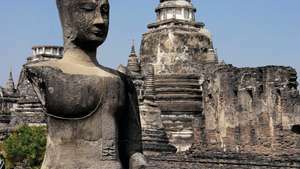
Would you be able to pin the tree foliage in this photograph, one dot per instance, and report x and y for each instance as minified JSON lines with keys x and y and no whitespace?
{"x":26,"y":145}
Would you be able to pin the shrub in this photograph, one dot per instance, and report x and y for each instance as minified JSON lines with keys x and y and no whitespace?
{"x":26,"y":145}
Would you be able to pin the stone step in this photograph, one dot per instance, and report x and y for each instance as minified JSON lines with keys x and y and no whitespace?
{"x":177,"y":85}
{"x":178,"y":97}
{"x":185,"y":105}
{"x":29,"y":110}
{"x":29,"y":106}
{"x":182,"y":118}
{"x":29,"y":101}
{"x":176,"y":80}
{"x":155,"y":139}
{"x":157,"y":131}
{"x":158,"y":135}
{"x":161,"y":148}
{"x":180,"y":113}
{"x":169,"y":90}
{"x":177,"y":76}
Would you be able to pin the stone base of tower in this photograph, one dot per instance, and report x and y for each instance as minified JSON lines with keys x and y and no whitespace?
{"x":155,"y":140}
{"x":220,"y":160}
{"x":179,"y":97}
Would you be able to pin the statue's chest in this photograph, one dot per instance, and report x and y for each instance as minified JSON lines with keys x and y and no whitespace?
{"x":79,"y":96}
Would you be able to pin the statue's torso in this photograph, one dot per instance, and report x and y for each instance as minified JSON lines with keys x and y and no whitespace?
{"x":84,"y":112}
{"x":75,"y":96}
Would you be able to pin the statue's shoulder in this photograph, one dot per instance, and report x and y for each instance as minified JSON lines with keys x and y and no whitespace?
{"x":41,"y":70}
{"x":40,"y":66}
{"x":51,"y":63}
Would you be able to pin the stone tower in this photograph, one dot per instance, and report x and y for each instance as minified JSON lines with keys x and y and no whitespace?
{"x":8,"y":96}
{"x":180,"y":49}
{"x":10,"y":85}
{"x":133,"y":61}
{"x":176,"y":42}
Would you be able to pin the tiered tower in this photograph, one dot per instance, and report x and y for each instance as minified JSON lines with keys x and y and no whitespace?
{"x":10,"y":85}
{"x":8,"y":95}
{"x":133,"y":61}
{"x":176,"y":42}
{"x":181,"y":51}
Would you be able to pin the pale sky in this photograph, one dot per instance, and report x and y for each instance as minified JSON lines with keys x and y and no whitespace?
{"x":246,"y":33}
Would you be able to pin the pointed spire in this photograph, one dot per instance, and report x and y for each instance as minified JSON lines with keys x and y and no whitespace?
{"x":11,"y":74}
{"x":10,"y":85}
{"x":133,"y":47}
{"x":133,"y":60}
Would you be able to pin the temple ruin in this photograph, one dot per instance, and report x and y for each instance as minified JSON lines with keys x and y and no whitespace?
{"x":196,"y":111}
{"x":215,"y":114}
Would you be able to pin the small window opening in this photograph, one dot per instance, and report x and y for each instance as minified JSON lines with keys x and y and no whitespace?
{"x":296,"y":129}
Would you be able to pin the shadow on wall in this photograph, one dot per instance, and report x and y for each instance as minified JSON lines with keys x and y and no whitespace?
{"x":296,"y":129}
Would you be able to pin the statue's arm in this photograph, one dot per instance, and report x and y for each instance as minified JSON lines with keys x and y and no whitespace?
{"x":33,"y":75}
{"x":131,"y":129}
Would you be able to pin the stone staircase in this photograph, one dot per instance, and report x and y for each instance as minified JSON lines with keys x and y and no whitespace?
{"x":173,"y":90}
{"x":30,"y":112}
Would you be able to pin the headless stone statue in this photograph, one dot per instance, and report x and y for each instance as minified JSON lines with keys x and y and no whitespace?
{"x":93,"y":116}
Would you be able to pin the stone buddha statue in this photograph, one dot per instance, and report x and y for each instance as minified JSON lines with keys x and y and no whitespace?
{"x":93,"y":115}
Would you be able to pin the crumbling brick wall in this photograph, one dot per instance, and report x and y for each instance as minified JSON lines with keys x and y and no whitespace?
{"x":252,"y":110}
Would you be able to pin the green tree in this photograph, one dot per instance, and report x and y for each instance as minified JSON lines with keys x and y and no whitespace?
{"x":26,"y":145}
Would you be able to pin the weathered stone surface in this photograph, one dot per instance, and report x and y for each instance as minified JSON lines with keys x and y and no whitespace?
{"x":221,"y":161}
{"x":155,"y":140}
{"x":93,"y":116}
{"x":181,"y":51}
{"x":252,"y":110}
{"x":217,"y":115}
{"x":174,"y":49}
{"x":9,"y":96}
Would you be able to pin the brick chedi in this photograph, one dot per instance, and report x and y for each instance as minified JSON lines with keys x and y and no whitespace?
{"x":133,"y":61}
{"x":9,"y":97}
{"x":180,"y":49}
{"x":176,"y":43}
